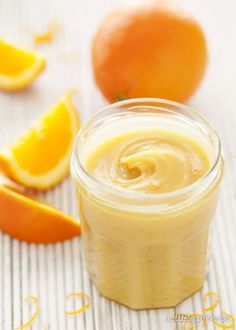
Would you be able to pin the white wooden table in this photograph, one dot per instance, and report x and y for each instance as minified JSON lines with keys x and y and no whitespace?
{"x":50,"y":272}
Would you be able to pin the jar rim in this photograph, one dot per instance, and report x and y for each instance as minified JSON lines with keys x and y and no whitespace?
{"x":77,"y":164}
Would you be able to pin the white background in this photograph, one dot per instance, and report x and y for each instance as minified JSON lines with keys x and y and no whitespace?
{"x":50,"y":272}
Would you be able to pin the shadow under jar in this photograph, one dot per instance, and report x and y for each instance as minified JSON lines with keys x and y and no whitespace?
{"x":145,"y":249}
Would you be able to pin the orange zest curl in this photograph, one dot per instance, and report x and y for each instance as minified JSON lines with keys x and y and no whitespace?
{"x":188,"y":325}
{"x":226,"y":326}
{"x":33,"y":317}
{"x":48,"y":35}
{"x":214,"y":305}
{"x":82,"y":309}
{"x":73,"y":91}
{"x":191,"y":321}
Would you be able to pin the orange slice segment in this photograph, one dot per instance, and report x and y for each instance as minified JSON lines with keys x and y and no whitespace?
{"x":40,"y":157}
{"x":18,"y":67}
{"x":29,"y":220}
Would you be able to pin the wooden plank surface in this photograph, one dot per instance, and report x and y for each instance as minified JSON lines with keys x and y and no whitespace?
{"x":52,"y":271}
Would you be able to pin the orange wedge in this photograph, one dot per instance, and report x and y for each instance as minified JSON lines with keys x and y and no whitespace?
{"x":29,"y":220}
{"x":18,"y":67}
{"x":40,"y":157}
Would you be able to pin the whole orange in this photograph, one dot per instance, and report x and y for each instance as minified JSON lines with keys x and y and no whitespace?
{"x":148,"y":51}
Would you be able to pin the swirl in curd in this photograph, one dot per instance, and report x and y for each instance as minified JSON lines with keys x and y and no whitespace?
{"x":149,"y":161}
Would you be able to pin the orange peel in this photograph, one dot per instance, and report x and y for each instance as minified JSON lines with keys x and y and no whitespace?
{"x":48,"y":35}
{"x":33,"y":317}
{"x":226,"y":326}
{"x":83,"y":308}
{"x":214,"y":305}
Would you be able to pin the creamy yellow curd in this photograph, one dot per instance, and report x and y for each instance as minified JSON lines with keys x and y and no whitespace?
{"x":151,"y":161}
{"x":147,"y":174}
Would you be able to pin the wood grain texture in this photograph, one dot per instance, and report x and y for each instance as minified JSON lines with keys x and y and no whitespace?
{"x":52,"y":271}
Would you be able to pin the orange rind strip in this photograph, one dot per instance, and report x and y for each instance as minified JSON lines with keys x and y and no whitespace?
{"x":214,"y":305}
{"x":189,"y":323}
{"x":82,"y":309}
{"x":226,"y":326}
{"x":33,"y":317}
{"x":48,"y":35}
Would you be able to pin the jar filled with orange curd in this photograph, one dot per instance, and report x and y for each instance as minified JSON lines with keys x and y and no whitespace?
{"x":147,"y":173}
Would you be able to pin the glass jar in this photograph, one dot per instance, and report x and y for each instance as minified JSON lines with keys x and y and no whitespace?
{"x":146,"y":250}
